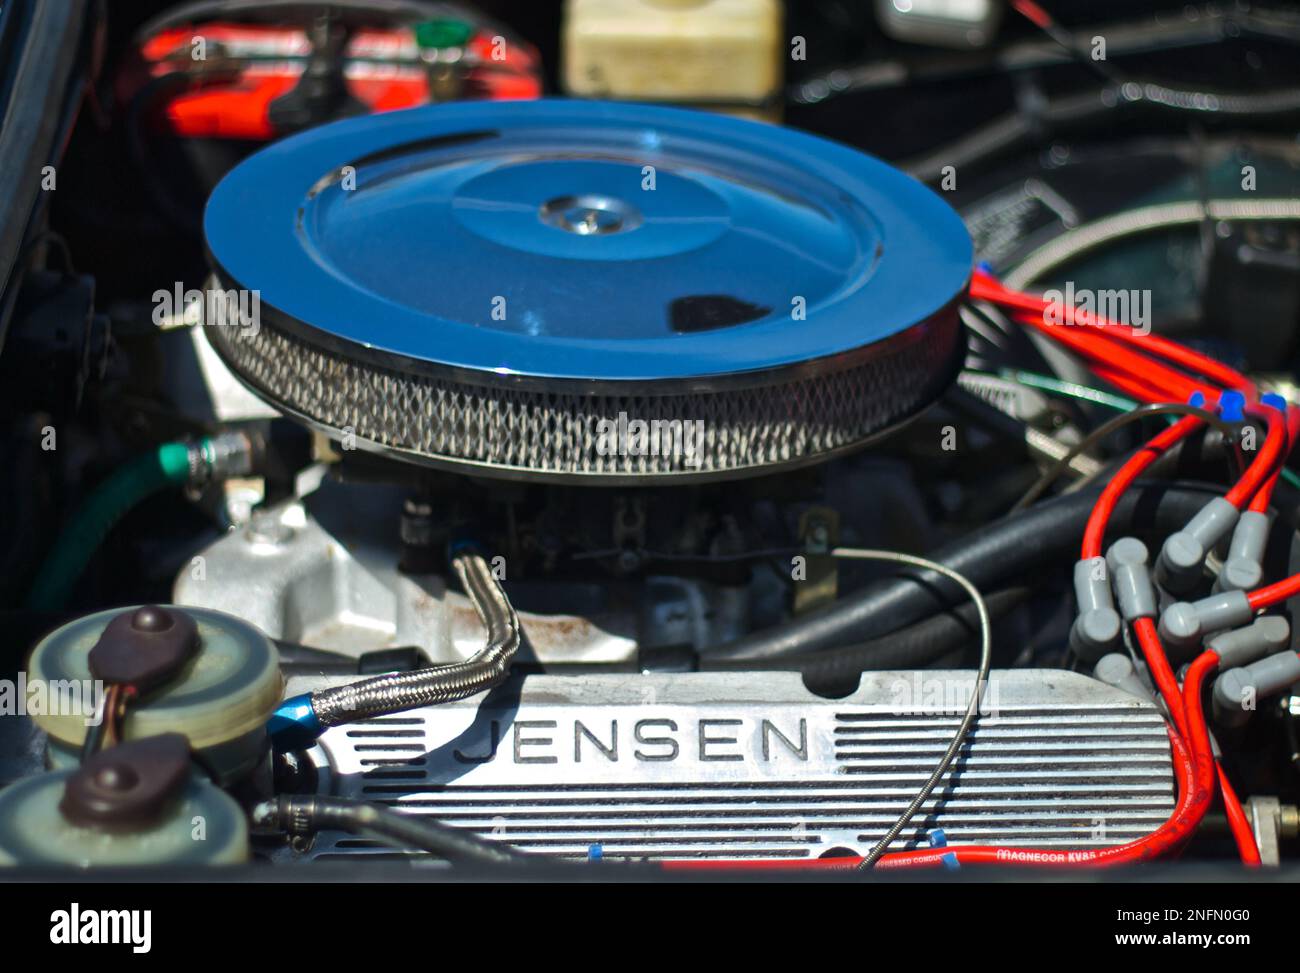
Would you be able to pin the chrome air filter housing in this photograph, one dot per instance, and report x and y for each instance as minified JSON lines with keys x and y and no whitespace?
{"x":585,"y":291}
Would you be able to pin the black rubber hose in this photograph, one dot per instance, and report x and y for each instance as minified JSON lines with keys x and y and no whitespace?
{"x":1046,"y":534}
{"x":299,"y":814}
{"x":915,"y":646}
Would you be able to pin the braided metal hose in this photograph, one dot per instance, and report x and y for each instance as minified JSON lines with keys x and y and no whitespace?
{"x":395,"y":692}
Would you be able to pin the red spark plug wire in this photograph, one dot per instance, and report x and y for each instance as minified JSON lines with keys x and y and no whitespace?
{"x":986,"y":287}
{"x":1193,"y":763}
{"x":1134,"y":368}
{"x":1267,"y":462}
{"x":1194,"y":768}
{"x":1167,"y":684}
{"x":1273,"y":594}
{"x":1196,"y":789}
{"x":1105,"y":345}
{"x":1291,"y":427}
{"x":1162,"y":673}
{"x":1095,"y":532}
{"x":1149,"y":375}
{"x":1238,"y":824}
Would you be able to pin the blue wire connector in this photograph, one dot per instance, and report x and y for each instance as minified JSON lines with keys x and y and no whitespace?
{"x":1276,"y":401}
{"x":461,"y":545}
{"x":938,"y":839}
{"x":1232,"y":406}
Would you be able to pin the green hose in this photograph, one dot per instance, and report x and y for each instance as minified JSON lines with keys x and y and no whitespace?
{"x":167,"y":466}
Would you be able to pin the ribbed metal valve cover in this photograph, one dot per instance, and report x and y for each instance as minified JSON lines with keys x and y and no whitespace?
{"x":753,"y":765}
{"x":585,"y":291}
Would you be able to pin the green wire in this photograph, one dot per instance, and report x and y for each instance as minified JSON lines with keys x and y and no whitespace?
{"x":1071,"y":389}
{"x":1117,"y":402}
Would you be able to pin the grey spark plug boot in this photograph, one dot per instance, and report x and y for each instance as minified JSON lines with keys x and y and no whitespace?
{"x":1266,"y":635}
{"x":1183,"y":625}
{"x":1097,"y":628}
{"x":1183,"y":555}
{"x":1116,"y":669}
{"x":1237,"y":692}
{"x":1127,"y":560}
{"x":1242,"y":570}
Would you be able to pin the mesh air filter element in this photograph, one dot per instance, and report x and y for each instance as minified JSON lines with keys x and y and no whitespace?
{"x":583,"y":291}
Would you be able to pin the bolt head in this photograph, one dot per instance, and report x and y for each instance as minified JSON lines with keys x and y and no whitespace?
{"x":118,"y":778}
{"x":151,"y":618}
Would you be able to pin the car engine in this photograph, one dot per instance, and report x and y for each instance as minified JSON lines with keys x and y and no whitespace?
{"x":707,"y":437}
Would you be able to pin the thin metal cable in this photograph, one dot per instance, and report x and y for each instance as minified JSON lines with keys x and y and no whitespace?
{"x":1105,"y":429}
{"x":972,"y":710}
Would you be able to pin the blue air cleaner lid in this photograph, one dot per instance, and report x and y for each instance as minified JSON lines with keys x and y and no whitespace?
{"x":431,"y":276}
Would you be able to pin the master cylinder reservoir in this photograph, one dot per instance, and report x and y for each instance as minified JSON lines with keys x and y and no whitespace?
{"x":723,"y":53}
{"x":136,"y":804}
{"x":217,"y":685}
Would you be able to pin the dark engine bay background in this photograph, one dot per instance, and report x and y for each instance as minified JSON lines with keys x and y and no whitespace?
{"x":659,"y":579}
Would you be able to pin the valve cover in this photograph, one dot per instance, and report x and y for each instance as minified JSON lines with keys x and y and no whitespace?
{"x":753,"y":765}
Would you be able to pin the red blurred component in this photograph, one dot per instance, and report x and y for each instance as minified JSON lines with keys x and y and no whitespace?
{"x":227,"y":93}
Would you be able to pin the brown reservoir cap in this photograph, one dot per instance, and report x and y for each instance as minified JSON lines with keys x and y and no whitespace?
{"x":130,"y":786}
{"x":145,"y":647}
